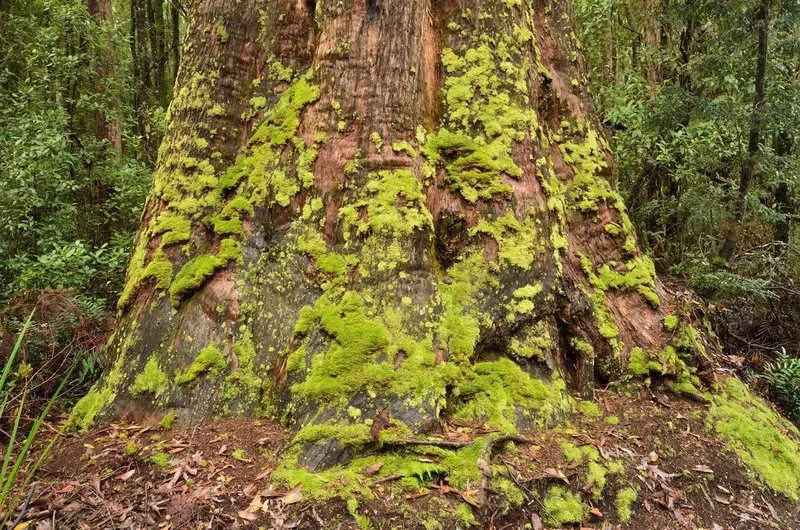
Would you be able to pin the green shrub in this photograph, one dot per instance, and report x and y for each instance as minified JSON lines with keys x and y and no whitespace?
{"x":783,"y":378}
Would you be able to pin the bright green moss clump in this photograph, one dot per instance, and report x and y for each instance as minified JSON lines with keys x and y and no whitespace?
{"x":192,"y":275}
{"x":209,"y":360}
{"x":766,"y":443}
{"x":152,"y":379}
{"x":167,"y":421}
{"x":561,"y":506}
{"x":161,"y":460}
{"x":589,"y":409}
{"x":625,"y":498}
{"x":499,"y":391}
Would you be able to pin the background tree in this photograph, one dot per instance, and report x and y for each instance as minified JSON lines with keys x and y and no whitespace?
{"x":684,"y":144}
{"x":75,"y":172}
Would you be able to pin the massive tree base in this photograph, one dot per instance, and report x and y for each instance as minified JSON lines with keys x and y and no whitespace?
{"x":372,"y":219}
{"x":636,"y":458}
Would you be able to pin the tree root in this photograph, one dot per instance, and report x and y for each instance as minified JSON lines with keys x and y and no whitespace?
{"x":485,"y":465}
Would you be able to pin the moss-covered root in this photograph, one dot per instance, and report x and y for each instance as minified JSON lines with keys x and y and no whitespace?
{"x":767,"y":443}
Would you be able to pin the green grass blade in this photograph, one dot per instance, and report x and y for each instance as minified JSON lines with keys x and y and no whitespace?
{"x":29,"y":440}
{"x":17,"y":346}
{"x":13,"y":438}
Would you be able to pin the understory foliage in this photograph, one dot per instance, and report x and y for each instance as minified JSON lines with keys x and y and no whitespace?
{"x":676,"y":83}
{"x":783,"y":377}
{"x":72,"y":197}
{"x":78,"y":131}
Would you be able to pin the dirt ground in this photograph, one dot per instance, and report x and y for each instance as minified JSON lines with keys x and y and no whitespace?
{"x":217,"y":475}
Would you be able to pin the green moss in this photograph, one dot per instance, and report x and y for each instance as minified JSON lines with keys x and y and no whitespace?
{"x":597,"y":469}
{"x":378,"y":141}
{"x":466,"y":515}
{"x":167,"y":421}
{"x":611,"y":420}
{"x":641,"y":363}
{"x":193,"y":275}
{"x":130,"y":449}
{"x":222,"y":32}
{"x":766,"y":443}
{"x":229,"y":219}
{"x":670,"y":322}
{"x":499,"y":392}
{"x":534,"y":343}
{"x":161,"y":460}
{"x":589,"y":409}
{"x":639,"y":275}
{"x":332,"y":263}
{"x":518,"y":242}
{"x":404,"y":147}
{"x":561,"y":506}
{"x":245,"y":383}
{"x":268,"y":180}
{"x":174,"y":227}
{"x":357,"y":339}
{"x":209,"y":360}
{"x":100,"y":395}
{"x":625,"y":498}
{"x":238,"y":454}
{"x":486,"y":110}
{"x":582,"y":347}
{"x":152,"y":379}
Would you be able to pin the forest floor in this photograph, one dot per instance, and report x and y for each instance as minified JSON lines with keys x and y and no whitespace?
{"x":218,"y":475}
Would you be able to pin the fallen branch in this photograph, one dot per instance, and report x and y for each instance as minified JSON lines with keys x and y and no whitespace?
{"x":434,"y":443}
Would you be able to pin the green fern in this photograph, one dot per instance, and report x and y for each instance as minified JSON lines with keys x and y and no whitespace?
{"x":783,"y":377}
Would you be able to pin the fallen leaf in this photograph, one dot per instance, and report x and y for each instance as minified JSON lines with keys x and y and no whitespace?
{"x":247,"y":516}
{"x":96,"y":483}
{"x":596,"y":511}
{"x":702,"y":468}
{"x":295,"y":495}
{"x":127,"y":475}
{"x":536,"y":521}
{"x":264,"y":474}
{"x":372,"y":469}
{"x":556,"y":473}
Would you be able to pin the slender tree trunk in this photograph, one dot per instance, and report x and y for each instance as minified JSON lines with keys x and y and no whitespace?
{"x":783,"y":199}
{"x":108,"y":127}
{"x":372,"y":209}
{"x":158,"y":45}
{"x":175,"y":34}
{"x":749,"y":163}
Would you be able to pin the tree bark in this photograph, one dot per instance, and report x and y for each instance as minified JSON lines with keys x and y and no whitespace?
{"x":107,"y":127}
{"x":175,"y":35}
{"x":374,"y":209}
{"x":784,"y":147}
{"x":749,"y":164}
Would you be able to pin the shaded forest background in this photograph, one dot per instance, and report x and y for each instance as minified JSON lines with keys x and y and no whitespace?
{"x":701,"y":99}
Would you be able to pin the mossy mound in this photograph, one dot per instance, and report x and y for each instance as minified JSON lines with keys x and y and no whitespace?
{"x":767,"y":443}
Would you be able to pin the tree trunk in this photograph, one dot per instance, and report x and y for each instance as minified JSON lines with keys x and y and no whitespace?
{"x":784,"y":146}
{"x":371,"y":209}
{"x":175,"y":34}
{"x":749,"y":163}
{"x":155,"y":18}
{"x":107,"y":127}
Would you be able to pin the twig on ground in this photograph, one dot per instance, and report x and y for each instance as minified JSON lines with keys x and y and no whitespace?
{"x":24,"y":509}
